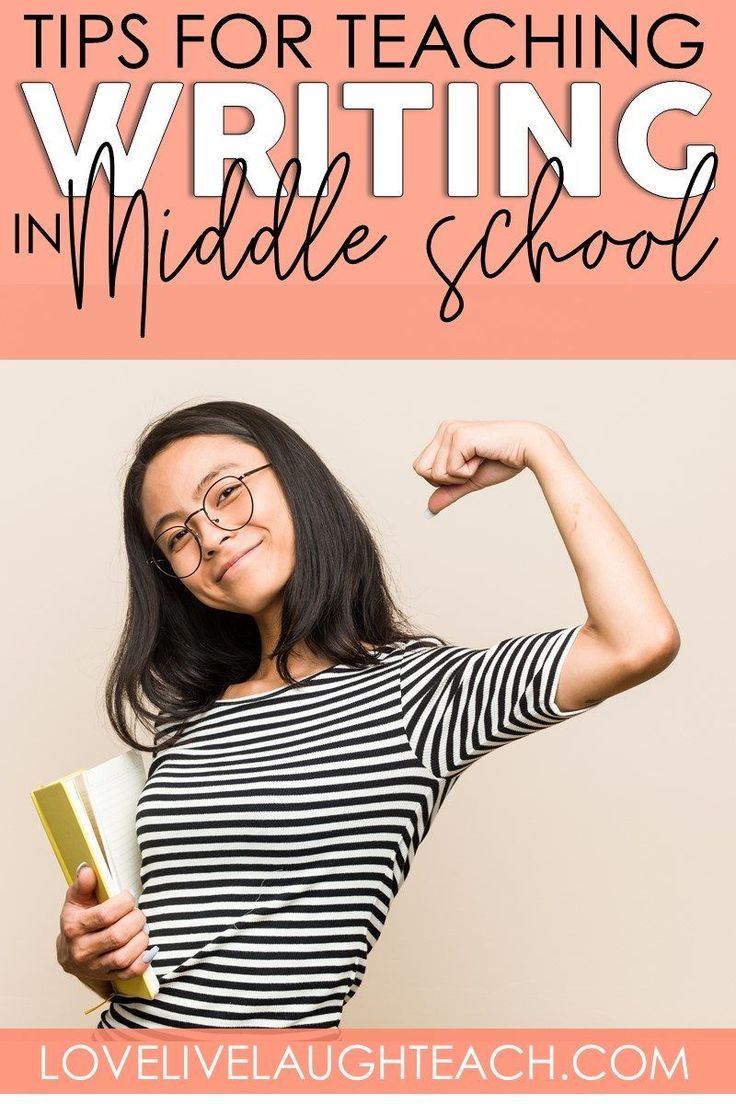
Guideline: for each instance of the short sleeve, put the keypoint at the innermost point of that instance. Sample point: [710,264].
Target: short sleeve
[460,703]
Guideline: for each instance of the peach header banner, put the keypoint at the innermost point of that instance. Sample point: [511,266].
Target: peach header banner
[395,1060]
[454,182]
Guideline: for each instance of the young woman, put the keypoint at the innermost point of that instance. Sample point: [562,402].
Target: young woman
[304,735]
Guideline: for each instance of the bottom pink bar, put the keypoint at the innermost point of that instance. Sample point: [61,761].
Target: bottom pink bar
[371,1060]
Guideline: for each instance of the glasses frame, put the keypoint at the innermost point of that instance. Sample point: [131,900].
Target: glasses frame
[153,558]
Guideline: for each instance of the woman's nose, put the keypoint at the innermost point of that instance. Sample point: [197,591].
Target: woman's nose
[209,534]
[212,536]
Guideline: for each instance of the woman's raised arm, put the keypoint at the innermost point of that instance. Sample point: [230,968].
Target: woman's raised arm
[629,635]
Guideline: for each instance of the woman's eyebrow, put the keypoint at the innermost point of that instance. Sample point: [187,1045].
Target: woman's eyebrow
[202,485]
[198,490]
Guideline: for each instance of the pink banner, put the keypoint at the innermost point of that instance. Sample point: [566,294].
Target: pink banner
[435,236]
[396,1060]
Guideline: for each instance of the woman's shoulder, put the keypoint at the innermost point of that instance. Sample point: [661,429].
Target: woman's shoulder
[418,643]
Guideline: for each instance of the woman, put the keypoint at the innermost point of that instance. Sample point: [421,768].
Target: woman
[305,736]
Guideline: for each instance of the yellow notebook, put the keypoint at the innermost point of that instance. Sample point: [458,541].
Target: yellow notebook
[89,816]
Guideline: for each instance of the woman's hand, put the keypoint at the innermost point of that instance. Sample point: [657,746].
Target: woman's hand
[99,943]
[468,456]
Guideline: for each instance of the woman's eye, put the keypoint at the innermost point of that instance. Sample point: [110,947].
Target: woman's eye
[176,540]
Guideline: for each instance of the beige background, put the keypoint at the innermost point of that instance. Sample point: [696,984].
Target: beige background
[582,876]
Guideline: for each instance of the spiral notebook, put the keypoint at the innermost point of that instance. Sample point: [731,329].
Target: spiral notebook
[89,816]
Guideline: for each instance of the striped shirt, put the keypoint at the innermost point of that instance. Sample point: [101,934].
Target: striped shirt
[277,831]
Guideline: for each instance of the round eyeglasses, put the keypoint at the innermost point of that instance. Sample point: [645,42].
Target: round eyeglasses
[228,503]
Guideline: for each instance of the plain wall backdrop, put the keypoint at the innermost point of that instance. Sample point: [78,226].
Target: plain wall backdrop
[580,876]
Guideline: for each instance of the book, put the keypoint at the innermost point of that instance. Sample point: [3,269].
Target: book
[89,816]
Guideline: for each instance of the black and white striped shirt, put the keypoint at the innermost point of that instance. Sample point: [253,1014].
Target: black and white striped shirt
[276,833]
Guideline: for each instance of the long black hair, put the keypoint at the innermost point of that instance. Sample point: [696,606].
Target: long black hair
[178,655]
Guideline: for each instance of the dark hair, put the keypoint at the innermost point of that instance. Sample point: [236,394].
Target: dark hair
[179,654]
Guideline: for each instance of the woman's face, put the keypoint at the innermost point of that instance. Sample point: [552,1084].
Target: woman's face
[255,583]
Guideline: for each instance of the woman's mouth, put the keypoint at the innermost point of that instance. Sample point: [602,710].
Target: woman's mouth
[236,560]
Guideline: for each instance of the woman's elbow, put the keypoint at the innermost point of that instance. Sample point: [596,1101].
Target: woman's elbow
[655,654]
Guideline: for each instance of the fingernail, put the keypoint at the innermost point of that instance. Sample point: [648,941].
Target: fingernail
[133,893]
[146,928]
[428,513]
[80,867]
[150,953]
